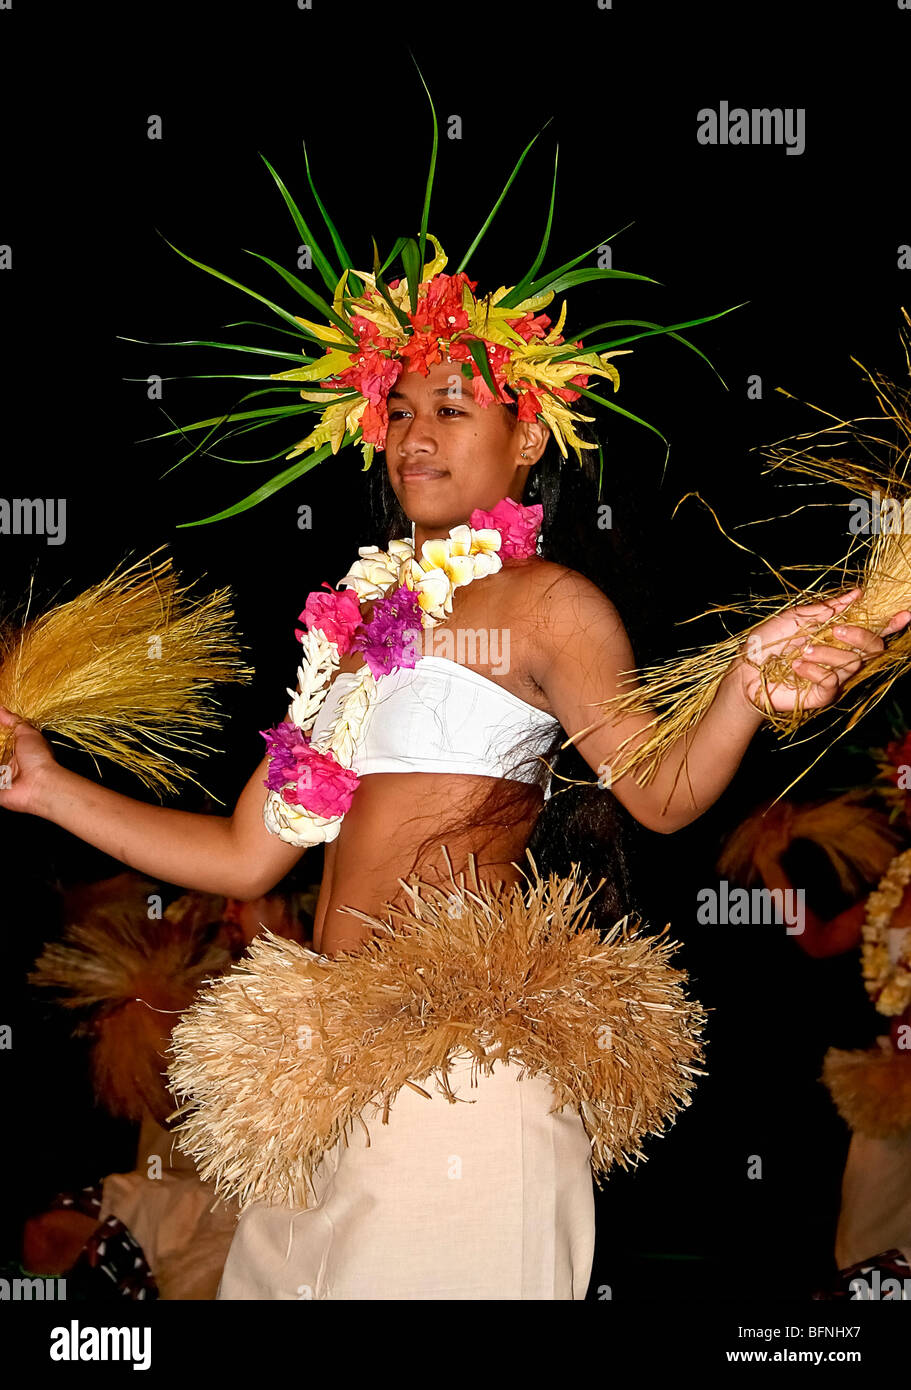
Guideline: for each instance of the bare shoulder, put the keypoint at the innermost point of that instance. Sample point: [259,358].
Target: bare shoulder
[569,621]
[556,594]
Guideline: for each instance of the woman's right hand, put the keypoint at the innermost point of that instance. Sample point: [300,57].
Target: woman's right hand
[31,762]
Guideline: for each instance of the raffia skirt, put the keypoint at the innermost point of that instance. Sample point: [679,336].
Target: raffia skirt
[488,1198]
[422,1118]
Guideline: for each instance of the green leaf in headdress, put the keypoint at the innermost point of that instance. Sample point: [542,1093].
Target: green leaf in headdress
[628,414]
[337,242]
[326,269]
[422,241]
[412,262]
[289,475]
[393,253]
[384,290]
[546,282]
[308,294]
[496,207]
[478,350]
[654,330]
[521,290]
[233,347]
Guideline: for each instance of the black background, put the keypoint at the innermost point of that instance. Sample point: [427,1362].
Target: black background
[809,241]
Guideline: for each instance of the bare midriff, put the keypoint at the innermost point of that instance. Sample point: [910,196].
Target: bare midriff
[393,813]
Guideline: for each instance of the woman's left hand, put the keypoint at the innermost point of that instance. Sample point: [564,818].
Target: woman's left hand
[825,667]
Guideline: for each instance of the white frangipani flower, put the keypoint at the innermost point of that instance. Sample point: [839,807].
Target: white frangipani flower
[296,825]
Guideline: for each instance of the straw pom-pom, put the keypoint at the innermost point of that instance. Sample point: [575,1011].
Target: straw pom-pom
[277,1059]
[124,670]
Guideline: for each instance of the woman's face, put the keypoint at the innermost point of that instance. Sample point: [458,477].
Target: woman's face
[446,454]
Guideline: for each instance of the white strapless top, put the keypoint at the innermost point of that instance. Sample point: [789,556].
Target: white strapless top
[442,717]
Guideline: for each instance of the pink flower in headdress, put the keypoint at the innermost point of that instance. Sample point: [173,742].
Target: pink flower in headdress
[421,352]
[566,392]
[531,326]
[439,310]
[373,373]
[497,355]
[374,423]
[518,526]
[336,614]
[529,402]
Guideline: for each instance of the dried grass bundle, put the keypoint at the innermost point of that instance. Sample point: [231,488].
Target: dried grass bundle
[277,1059]
[871,1089]
[674,695]
[135,976]
[123,669]
[857,839]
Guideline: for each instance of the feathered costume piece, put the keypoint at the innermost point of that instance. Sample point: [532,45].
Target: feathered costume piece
[677,693]
[123,670]
[277,1059]
[135,975]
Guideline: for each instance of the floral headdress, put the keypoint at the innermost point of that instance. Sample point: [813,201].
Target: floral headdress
[373,331]
[499,347]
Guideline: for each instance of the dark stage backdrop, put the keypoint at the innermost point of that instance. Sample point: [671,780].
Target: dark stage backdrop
[808,236]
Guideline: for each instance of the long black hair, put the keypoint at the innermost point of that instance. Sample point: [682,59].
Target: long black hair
[582,824]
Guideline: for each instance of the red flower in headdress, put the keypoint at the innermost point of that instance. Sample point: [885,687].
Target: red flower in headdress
[532,326]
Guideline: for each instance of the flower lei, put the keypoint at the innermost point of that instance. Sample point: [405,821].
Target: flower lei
[887,982]
[311,785]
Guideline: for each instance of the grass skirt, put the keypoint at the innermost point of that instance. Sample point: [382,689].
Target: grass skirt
[290,1053]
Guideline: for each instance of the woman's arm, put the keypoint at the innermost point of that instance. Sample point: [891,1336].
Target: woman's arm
[234,855]
[582,651]
[576,682]
[819,937]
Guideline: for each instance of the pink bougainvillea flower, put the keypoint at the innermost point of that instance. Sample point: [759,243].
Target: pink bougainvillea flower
[531,326]
[336,614]
[287,748]
[305,776]
[388,640]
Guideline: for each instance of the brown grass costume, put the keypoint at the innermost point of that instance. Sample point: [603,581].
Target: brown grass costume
[277,1059]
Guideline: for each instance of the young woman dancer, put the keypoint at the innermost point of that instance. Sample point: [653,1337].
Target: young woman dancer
[389,1220]
[392,752]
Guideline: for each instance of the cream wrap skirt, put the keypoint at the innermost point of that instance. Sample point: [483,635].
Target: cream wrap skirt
[487,1198]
